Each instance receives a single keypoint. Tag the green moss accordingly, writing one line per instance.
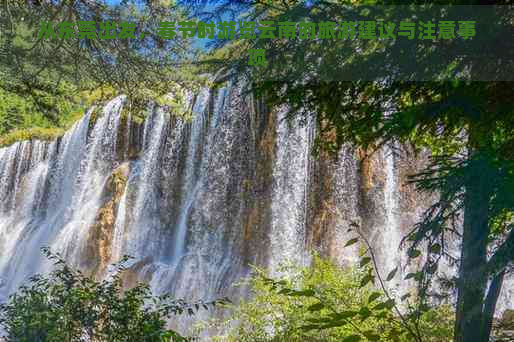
(38, 133)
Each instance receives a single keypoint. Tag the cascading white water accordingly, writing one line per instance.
(65, 186)
(290, 180)
(145, 215)
(392, 235)
(186, 204)
(192, 182)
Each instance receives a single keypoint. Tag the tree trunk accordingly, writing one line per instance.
(472, 283)
(490, 304)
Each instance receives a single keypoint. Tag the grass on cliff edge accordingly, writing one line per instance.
(21, 118)
(39, 133)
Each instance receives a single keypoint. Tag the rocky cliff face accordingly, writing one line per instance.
(196, 202)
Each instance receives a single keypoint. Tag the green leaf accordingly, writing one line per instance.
(380, 306)
(351, 242)
(352, 338)
(394, 335)
(284, 291)
(414, 253)
(334, 324)
(388, 304)
(365, 313)
(344, 314)
(365, 261)
(305, 293)
(370, 335)
(435, 248)
(316, 320)
(316, 307)
(366, 280)
(410, 276)
(391, 274)
(374, 296)
(309, 327)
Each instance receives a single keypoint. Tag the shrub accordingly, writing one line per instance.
(323, 302)
(38, 133)
(68, 306)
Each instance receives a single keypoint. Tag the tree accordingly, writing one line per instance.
(142, 67)
(68, 306)
(467, 126)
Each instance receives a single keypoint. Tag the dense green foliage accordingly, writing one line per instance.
(67, 306)
(43, 117)
(22, 112)
(44, 82)
(324, 302)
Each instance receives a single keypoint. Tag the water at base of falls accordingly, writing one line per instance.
(194, 202)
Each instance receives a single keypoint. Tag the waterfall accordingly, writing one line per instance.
(194, 200)
(143, 240)
(192, 183)
(392, 234)
(290, 179)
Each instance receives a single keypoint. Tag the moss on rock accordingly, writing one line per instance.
(36, 133)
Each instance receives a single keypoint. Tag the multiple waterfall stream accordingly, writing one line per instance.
(197, 201)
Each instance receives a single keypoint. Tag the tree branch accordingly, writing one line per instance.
(490, 304)
(503, 255)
